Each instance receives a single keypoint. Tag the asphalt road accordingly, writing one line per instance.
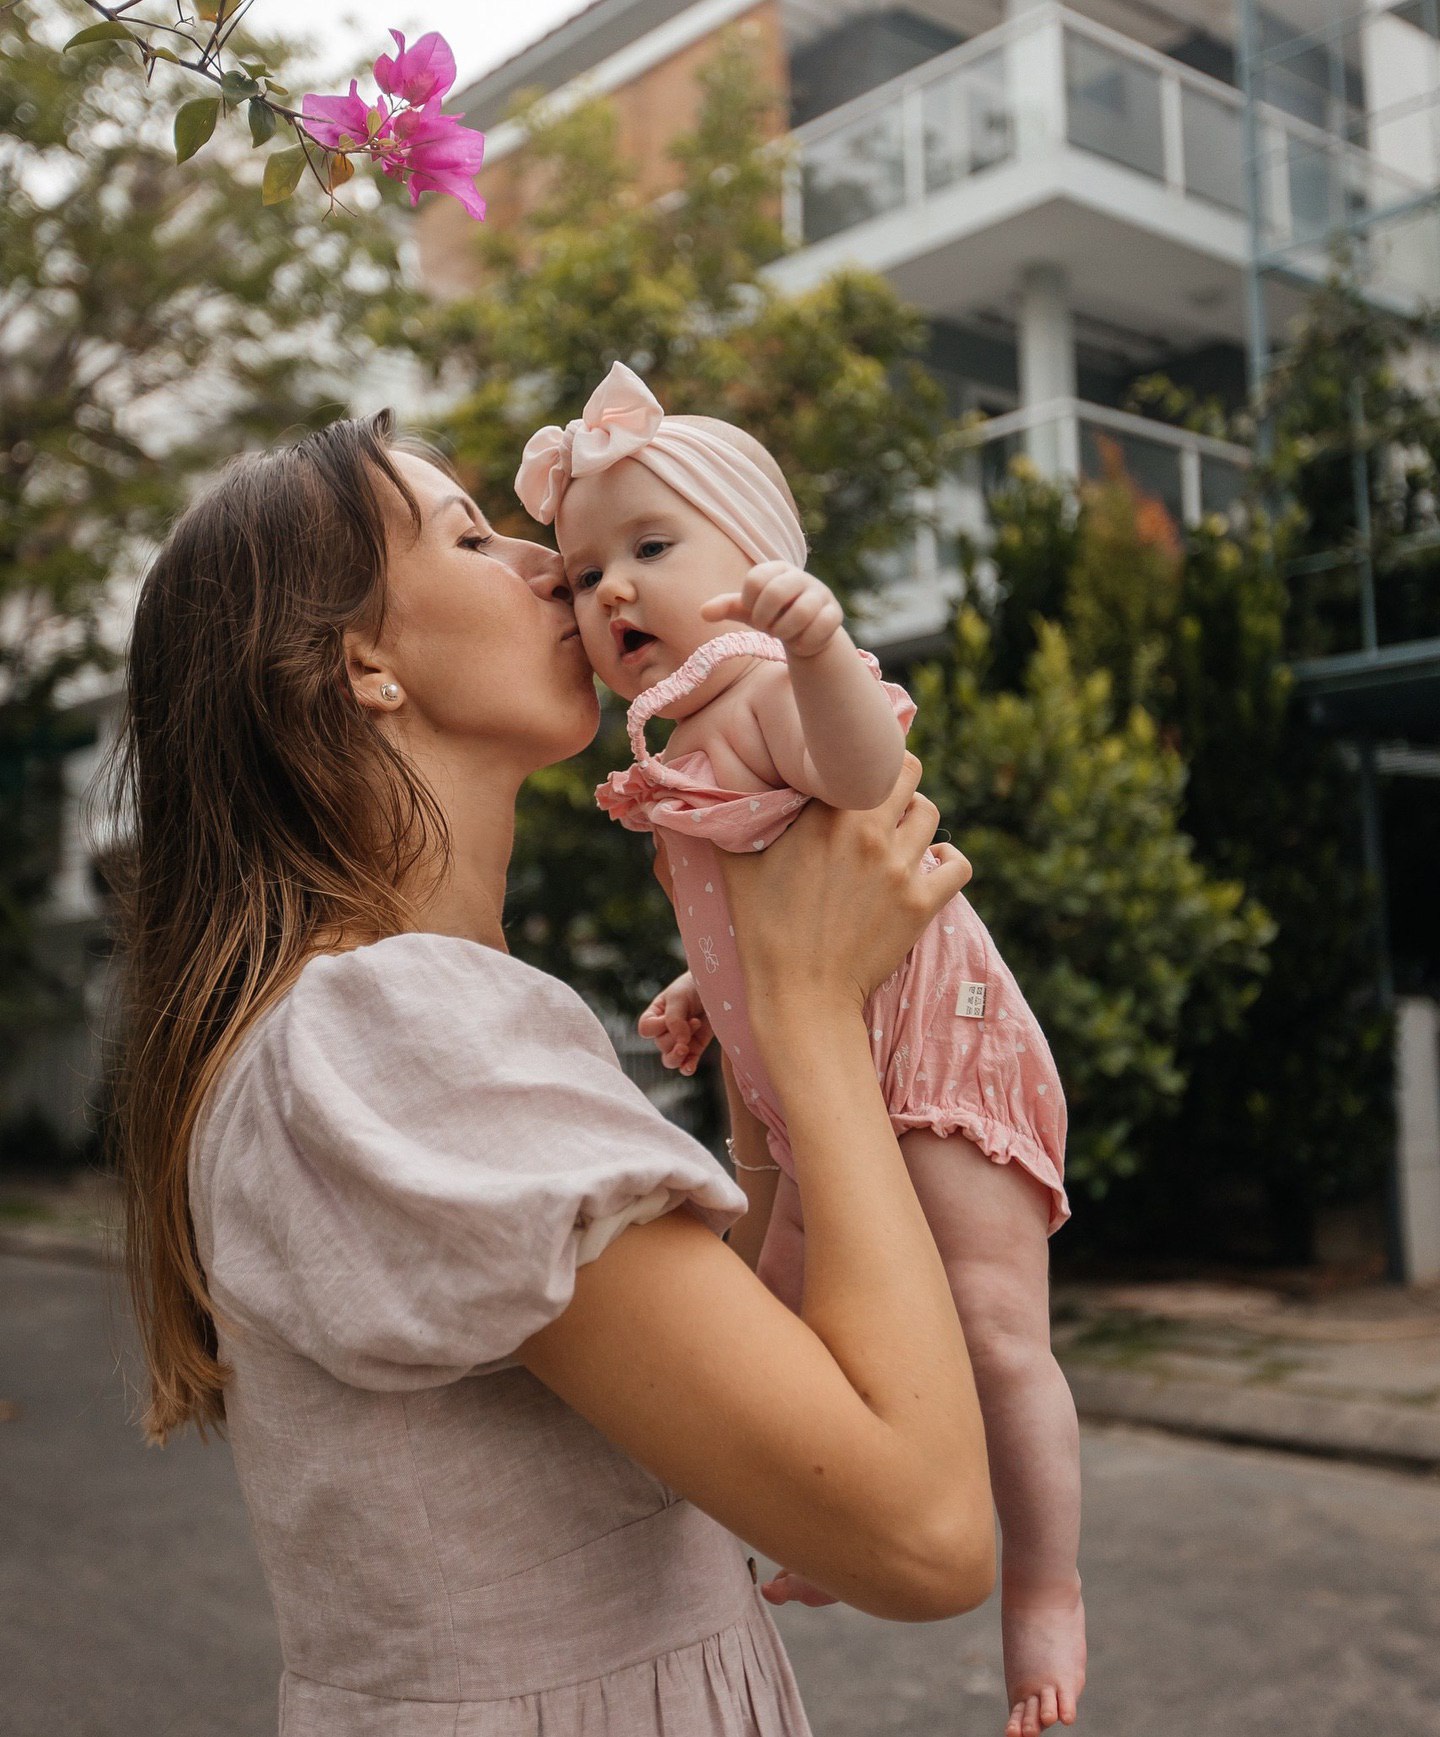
(1231, 1593)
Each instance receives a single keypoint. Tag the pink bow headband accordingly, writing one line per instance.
(623, 419)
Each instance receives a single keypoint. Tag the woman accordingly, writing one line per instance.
(499, 1410)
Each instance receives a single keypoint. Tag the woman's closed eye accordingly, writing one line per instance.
(477, 541)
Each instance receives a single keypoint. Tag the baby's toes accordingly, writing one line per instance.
(1015, 1723)
(1066, 1704)
(1049, 1707)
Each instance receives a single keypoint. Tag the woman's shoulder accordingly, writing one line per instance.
(412, 1151)
(414, 1018)
(435, 990)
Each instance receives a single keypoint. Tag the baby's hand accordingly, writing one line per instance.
(676, 1020)
(795, 607)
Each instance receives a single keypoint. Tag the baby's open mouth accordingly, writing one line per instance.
(631, 640)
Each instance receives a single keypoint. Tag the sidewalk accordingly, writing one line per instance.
(1352, 1373)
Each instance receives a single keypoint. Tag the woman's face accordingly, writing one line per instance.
(479, 635)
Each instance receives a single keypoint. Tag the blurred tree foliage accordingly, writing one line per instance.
(1069, 807)
(151, 322)
(1280, 1099)
(829, 379)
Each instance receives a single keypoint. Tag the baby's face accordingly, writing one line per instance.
(640, 561)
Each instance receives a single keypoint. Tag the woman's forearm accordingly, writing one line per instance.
(875, 1288)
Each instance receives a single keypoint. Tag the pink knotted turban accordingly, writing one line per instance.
(624, 420)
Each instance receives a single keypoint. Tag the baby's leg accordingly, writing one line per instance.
(989, 1222)
(781, 1266)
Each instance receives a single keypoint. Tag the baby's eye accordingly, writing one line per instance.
(584, 581)
(651, 547)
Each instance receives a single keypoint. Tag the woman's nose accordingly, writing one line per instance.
(545, 575)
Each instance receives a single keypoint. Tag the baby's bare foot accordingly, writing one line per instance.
(1044, 1658)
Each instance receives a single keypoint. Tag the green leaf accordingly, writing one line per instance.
(256, 68)
(239, 85)
(194, 123)
(165, 54)
(275, 89)
(112, 30)
(262, 121)
(282, 174)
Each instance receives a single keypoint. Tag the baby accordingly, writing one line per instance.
(672, 527)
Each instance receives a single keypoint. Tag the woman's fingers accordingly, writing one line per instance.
(954, 872)
(899, 799)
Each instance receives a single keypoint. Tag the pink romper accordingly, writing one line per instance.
(956, 1046)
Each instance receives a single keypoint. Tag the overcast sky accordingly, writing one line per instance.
(481, 32)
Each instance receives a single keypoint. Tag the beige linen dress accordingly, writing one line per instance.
(395, 1178)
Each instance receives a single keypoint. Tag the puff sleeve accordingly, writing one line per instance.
(404, 1162)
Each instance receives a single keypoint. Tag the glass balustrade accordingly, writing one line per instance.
(1213, 141)
(854, 173)
(1113, 105)
(966, 122)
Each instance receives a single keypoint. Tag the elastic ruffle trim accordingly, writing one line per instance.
(1001, 1144)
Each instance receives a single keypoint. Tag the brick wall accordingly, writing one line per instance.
(659, 106)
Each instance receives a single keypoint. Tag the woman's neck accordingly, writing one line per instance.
(479, 807)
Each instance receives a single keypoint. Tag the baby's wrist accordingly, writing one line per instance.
(838, 637)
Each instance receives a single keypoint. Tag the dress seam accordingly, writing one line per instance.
(435, 1554)
(525, 1694)
(574, 1550)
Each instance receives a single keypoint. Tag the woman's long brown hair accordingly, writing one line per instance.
(265, 818)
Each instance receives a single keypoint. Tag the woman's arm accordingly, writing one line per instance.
(845, 1442)
(755, 1172)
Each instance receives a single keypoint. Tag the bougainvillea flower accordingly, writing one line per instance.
(342, 122)
(417, 75)
(437, 153)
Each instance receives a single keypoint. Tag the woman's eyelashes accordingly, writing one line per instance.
(477, 541)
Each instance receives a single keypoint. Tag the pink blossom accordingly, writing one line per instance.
(342, 122)
(418, 74)
(409, 140)
(439, 154)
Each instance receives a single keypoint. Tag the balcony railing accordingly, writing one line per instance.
(1194, 475)
(1049, 78)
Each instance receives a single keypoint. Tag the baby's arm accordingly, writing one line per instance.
(747, 1236)
(830, 730)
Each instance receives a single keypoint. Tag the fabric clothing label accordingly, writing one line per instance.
(970, 1002)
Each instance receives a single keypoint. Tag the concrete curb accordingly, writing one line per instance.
(1343, 1429)
(39, 1243)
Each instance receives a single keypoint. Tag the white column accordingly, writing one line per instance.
(1046, 340)
(1035, 76)
(1417, 1105)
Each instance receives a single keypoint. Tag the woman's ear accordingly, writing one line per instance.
(371, 679)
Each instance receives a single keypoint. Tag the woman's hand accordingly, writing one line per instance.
(830, 910)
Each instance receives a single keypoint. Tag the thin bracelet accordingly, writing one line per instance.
(730, 1148)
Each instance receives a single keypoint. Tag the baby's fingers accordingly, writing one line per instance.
(729, 605)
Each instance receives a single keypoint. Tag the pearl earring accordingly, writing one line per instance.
(389, 692)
